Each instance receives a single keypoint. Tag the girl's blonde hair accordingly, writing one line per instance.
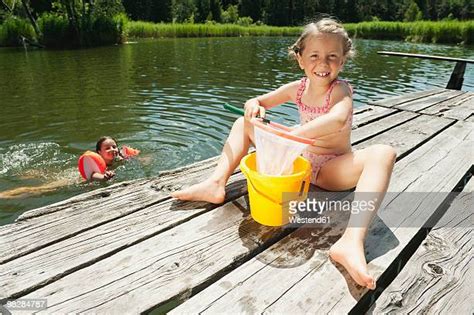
(323, 26)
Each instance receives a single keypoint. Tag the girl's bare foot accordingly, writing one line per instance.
(209, 190)
(350, 254)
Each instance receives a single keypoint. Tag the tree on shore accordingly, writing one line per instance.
(413, 13)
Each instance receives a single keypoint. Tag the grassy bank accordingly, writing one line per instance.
(454, 32)
(138, 29)
(55, 31)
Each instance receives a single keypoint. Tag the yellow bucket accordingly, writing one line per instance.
(266, 192)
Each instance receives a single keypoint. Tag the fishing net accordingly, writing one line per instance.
(277, 149)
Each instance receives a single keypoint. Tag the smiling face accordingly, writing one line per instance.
(322, 58)
(108, 150)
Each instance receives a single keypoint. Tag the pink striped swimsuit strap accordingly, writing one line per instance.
(300, 91)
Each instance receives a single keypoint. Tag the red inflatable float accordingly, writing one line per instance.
(89, 163)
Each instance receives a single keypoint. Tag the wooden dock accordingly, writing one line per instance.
(130, 248)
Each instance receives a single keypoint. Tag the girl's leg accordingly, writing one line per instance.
(369, 170)
(28, 191)
(236, 147)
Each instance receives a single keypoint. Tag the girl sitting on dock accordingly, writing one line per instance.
(325, 108)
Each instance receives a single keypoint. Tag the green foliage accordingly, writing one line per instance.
(245, 21)
(423, 31)
(121, 27)
(216, 10)
(108, 7)
(458, 32)
(150, 30)
(251, 8)
(231, 15)
(13, 29)
(100, 31)
(277, 12)
(413, 13)
(183, 11)
(55, 29)
(97, 28)
(203, 8)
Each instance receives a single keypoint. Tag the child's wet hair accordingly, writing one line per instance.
(101, 140)
(323, 26)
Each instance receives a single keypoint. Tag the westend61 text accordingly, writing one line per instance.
(318, 206)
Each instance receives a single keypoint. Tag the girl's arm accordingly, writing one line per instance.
(334, 120)
(257, 105)
(102, 177)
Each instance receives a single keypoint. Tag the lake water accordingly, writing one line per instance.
(165, 98)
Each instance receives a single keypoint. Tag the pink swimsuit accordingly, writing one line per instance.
(308, 113)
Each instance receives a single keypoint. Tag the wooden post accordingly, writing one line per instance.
(457, 77)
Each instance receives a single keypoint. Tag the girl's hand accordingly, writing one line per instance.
(102, 177)
(252, 109)
(108, 175)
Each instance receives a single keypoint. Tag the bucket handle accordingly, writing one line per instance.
(301, 190)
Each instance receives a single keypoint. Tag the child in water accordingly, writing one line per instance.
(106, 147)
(325, 108)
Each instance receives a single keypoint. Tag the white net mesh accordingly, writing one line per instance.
(275, 154)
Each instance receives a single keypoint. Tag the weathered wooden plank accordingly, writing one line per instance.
(258, 283)
(400, 99)
(368, 113)
(419, 129)
(77, 241)
(420, 104)
(41, 230)
(376, 127)
(302, 278)
(459, 108)
(45, 265)
(361, 109)
(167, 266)
(371, 114)
(162, 183)
(438, 277)
(96, 194)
